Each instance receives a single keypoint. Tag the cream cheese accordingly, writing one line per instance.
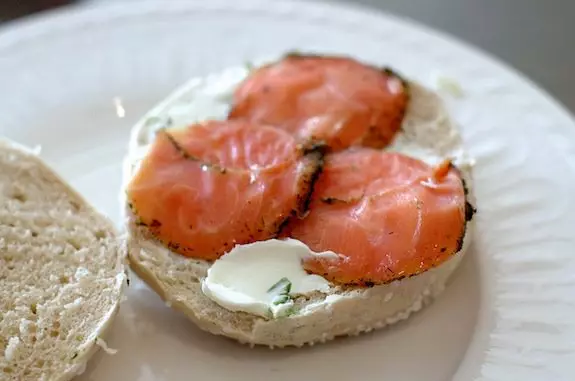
(263, 277)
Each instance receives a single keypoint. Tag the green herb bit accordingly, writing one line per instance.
(152, 120)
(283, 286)
(158, 121)
(280, 299)
(249, 66)
(293, 310)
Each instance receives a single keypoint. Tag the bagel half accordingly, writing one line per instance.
(342, 311)
(62, 272)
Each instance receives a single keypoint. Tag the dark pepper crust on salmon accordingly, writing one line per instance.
(312, 155)
(304, 199)
(470, 211)
(374, 138)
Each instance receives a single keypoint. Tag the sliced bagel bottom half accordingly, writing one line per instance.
(427, 131)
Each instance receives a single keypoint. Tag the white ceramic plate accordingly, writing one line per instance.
(509, 313)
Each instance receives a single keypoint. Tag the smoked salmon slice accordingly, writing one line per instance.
(389, 216)
(334, 100)
(203, 189)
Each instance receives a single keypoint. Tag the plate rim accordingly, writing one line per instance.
(25, 29)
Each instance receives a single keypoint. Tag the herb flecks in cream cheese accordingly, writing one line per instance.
(262, 278)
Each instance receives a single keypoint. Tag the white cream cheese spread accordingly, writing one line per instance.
(263, 277)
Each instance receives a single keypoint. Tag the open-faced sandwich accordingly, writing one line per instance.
(61, 272)
(299, 200)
